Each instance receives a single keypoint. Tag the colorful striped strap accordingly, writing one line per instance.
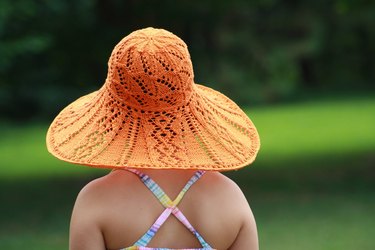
(170, 207)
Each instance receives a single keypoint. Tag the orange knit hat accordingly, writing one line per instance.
(150, 114)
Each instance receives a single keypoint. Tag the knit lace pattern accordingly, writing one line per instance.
(151, 114)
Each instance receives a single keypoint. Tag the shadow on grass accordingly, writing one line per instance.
(334, 173)
(35, 213)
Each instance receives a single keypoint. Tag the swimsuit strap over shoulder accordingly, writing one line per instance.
(170, 208)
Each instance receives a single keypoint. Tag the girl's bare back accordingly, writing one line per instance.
(114, 211)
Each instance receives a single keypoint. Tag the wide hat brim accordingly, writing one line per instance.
(210, 132)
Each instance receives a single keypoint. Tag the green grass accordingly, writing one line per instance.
(309, 221)
(24, 154)
(312, 186)
(305, 135)
(315, 131)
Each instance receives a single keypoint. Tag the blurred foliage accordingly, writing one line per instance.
(265, 51)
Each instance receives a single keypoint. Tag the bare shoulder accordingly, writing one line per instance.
(91, 190)
(91, 211)
(99, 188)
(229, 203)
(94, 195)
(226, 190)
(85, 231)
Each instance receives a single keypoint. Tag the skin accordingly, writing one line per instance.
(114, 211)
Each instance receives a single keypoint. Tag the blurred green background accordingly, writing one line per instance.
(304, 71)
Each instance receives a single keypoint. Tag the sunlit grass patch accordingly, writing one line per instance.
(304, 134)
(315, 131)
(24, 154)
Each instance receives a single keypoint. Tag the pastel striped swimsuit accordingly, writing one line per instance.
(170, 208)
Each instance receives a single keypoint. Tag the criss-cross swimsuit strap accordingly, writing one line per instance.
(170, 207)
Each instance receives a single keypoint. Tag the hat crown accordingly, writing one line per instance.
(150, 69)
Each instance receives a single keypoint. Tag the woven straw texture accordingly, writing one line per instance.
(150, 114)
